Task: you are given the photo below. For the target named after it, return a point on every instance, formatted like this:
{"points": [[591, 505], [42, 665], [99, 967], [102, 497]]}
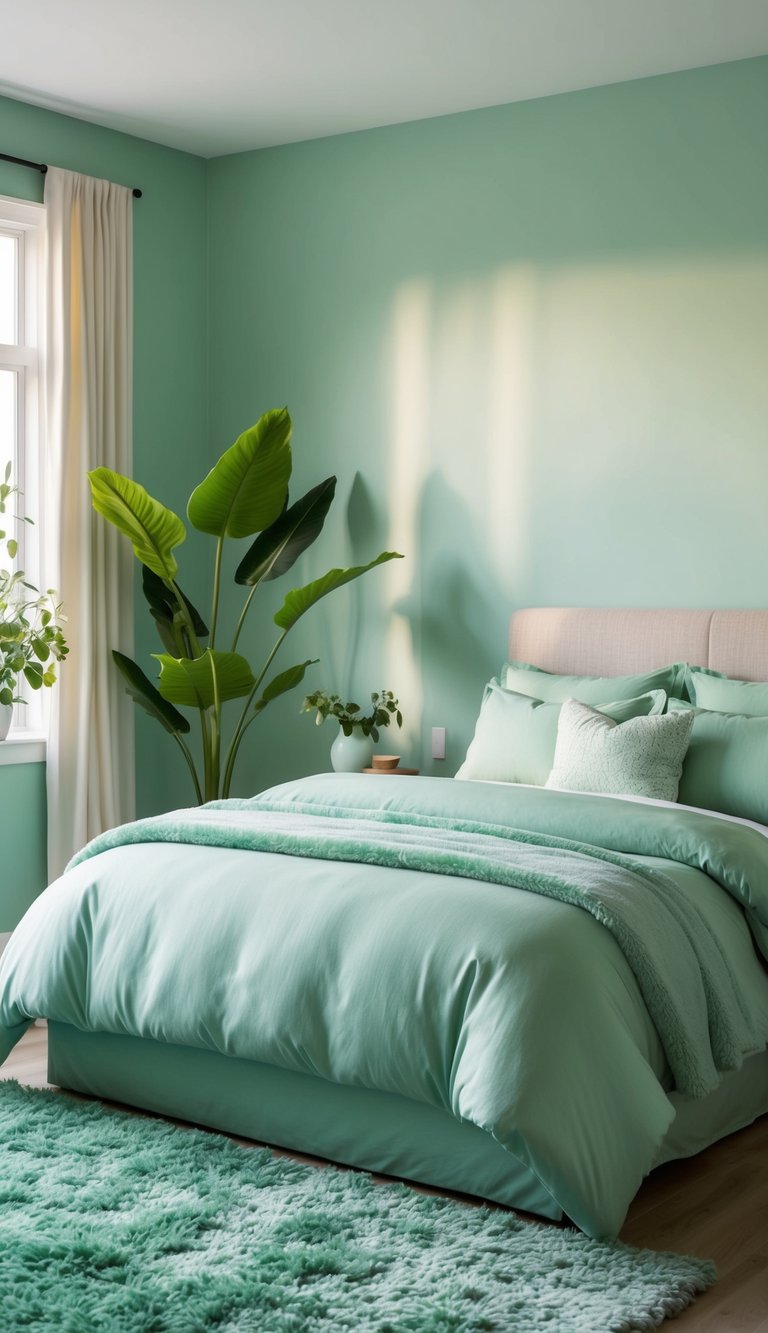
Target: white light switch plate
{"points": [[438, 742]]}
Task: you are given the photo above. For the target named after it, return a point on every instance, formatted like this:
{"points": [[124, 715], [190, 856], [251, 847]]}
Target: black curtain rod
{"points": [[41, 167]]}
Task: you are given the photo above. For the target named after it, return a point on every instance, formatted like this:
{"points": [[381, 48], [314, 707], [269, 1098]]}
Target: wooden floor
{"points": [[714, 1205]]}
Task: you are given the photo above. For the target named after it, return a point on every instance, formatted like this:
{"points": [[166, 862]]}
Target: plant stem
{"points": [[215, 735], [243, 614], [242, 724], [193, 639], [190, 766], [206, 739], [216, 588], [205, 731]]}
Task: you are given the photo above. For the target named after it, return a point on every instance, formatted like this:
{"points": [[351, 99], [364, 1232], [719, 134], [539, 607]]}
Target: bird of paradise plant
{"points": [[244, 494]]}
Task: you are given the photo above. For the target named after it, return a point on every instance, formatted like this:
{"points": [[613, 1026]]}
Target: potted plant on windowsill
{"points": [[352, 749], [31, 637]]}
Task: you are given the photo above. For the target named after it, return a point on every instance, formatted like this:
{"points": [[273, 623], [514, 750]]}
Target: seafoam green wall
{"points": [[533, 342], [169, 403], [22, 801]]}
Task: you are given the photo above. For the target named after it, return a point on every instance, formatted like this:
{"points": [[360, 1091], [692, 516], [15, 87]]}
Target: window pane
{"points": [[8, 288], [8, 392], [8, 380]]}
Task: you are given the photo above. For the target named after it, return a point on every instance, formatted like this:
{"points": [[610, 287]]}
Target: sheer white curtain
{"points": [[87, 395]]}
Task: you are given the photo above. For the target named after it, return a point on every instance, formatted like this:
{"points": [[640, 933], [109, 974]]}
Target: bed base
{"points": [[375, 1131]]}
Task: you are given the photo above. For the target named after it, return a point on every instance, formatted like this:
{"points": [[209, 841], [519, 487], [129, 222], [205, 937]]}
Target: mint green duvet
{"points": [[544, 965]]}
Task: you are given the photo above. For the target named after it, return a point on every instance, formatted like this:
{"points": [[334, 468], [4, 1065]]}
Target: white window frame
{"points": [[26, 222]]}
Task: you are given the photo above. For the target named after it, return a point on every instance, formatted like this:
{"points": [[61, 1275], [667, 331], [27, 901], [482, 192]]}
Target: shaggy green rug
{"points": [[116, 1222]]}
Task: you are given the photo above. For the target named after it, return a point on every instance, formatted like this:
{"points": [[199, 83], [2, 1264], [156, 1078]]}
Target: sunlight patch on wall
{"points": [[510, 411], [406, 468], [652, 447]]}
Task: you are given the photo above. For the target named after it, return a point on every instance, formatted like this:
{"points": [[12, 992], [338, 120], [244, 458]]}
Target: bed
{"points": [[395, 1005]]}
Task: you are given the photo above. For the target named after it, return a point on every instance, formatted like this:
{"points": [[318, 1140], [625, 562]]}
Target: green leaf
{"points": [[152, 529], [300, 600], [12, 547], [245, 491], [165, 611], [276, 549], [286, 680], [189, 681], [147, 696], [34, 676]]}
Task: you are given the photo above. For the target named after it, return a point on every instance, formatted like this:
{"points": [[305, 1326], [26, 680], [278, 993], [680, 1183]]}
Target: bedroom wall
{"points": [[169, 405], [532, 342]]}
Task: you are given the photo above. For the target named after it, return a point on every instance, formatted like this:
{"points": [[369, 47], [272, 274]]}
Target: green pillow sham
{"points": [[726, 767], [515, 735], [640, 757], [554, 689], [721, 694]]}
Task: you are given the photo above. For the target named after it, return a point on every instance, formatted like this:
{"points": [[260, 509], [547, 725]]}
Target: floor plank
{"points": [[714, 1205]]}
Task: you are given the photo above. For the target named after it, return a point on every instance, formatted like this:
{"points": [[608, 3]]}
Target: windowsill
{"points": [[22, 747]]}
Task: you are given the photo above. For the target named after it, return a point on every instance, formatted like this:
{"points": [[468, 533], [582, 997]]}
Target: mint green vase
{"points": [[351, 754]]}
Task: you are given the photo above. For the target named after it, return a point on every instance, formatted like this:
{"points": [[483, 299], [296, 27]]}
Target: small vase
{"points": [[6, 713], [351, 754]]}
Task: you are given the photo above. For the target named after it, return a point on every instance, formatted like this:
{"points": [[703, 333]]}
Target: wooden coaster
{"points": [[393, 772]]}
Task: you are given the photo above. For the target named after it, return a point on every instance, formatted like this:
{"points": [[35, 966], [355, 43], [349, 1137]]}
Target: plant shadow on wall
{"points": [[244, 495], [366, 527], [457, 610]]}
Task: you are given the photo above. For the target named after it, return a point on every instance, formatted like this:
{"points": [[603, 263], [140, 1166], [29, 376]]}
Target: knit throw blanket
{"points": [[689, 988]]}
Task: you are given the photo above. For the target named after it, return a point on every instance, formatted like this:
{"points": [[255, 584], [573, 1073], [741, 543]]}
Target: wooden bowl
{"points": [[385, 762]]}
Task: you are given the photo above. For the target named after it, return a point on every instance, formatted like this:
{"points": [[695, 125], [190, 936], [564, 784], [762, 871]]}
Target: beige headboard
{"points": [[600, 642]]}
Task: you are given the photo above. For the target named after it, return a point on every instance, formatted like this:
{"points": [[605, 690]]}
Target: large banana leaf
{"points": [[300, 600], [245, 491], [144, 693], [189, 681], [285, 681], [276, 549], [152, 529], [164, 610]]}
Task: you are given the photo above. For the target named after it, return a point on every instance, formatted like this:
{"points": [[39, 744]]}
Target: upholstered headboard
{"points": [[602, 642]]}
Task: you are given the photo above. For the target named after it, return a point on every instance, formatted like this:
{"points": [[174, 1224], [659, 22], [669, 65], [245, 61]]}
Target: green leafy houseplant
{"points": [[31, 637], [244, 494], [385, 709]]}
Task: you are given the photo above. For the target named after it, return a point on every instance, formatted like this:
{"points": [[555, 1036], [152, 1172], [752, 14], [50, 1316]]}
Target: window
{"points": [[20, 244]]}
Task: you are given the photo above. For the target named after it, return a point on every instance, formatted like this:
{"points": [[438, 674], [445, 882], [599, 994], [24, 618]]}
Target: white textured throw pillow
{"points": [[641, 757]]}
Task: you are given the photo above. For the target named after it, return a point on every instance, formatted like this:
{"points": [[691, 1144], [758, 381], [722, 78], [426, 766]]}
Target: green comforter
{"points": [[431, 943]]}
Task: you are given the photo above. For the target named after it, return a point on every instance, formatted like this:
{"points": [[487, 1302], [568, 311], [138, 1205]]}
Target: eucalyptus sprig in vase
{"points": [[352, 749]]}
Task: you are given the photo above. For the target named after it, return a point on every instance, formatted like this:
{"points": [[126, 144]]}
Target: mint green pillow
{"points": [[554, 689], [726, 767], [640, 757], [720, 694], [515, 735]]}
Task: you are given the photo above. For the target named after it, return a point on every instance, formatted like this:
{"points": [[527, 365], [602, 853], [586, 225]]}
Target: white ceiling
{"points": [[220, 76]]}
